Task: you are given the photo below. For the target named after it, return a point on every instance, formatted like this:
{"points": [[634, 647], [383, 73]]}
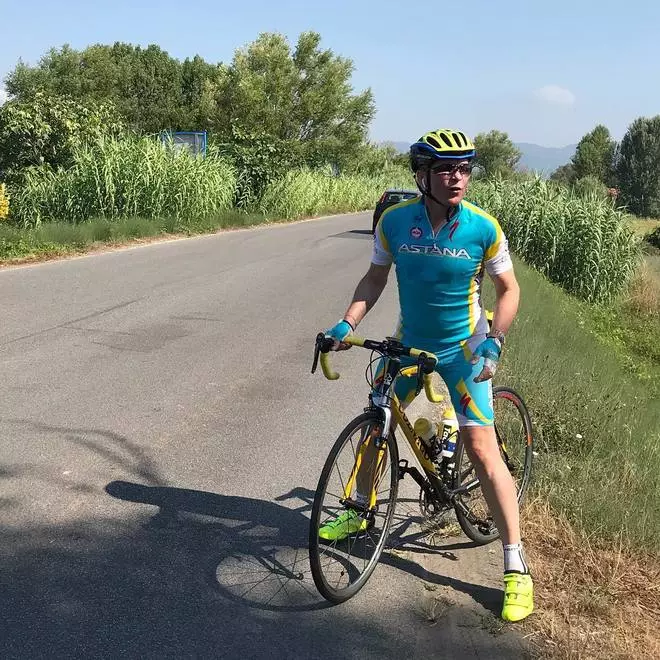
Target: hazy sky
{"points": [[545, 73]]}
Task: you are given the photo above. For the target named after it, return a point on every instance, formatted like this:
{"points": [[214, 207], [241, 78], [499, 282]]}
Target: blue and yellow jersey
{"points": [[439, 274]]}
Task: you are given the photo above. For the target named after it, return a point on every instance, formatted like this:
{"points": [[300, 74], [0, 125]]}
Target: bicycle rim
{"points": [[513, 429], [341, 567]]}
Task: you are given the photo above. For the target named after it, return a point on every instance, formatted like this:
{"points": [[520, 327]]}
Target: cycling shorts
{"points": [[472, 402]]}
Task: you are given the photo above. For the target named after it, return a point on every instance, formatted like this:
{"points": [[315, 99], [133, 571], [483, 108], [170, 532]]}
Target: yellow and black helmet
{"points": [[443, 143]]}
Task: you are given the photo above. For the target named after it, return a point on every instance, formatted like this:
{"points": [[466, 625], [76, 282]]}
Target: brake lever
{"points": [[317, 349], [420, 373]]}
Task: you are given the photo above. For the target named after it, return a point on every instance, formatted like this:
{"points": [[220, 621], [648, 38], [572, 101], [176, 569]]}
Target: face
{"points": [[449, 180]]}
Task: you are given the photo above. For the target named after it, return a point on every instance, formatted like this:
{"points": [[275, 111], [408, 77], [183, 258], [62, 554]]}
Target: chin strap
{"points": [[426, 192]]}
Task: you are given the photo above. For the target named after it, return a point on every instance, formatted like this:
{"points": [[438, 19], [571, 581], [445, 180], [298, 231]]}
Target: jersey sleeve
{"points": [[382, 254], [497, 259]]}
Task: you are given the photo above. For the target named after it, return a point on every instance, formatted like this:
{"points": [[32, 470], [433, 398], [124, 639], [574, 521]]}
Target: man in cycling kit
{"points": [[441, 246]]}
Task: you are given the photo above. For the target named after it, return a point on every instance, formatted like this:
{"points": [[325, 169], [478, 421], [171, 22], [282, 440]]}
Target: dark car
{"points": [[389, 198]]}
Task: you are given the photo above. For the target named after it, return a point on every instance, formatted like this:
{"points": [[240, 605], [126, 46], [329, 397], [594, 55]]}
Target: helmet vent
{"points": [[446, 140]]}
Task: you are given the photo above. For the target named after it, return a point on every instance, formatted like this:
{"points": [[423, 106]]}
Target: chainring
{"points": [[431, 509]]}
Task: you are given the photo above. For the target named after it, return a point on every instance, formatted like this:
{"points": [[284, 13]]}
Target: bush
{"points": [[653, 238], [258, 159]]}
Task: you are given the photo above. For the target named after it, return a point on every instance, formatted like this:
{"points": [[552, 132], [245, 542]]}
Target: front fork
{"points": [[376, 438]]}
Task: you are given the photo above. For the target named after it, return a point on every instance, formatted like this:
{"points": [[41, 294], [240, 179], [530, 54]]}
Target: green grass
{"points": [[59, 238], [597, 424]]}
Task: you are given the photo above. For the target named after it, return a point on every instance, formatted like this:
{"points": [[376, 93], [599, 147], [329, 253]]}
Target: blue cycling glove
{"points": [[339, 332], [490, 350]]}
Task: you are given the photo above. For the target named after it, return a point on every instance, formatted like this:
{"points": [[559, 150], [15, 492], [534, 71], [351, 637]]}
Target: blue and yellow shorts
{"points": [[472, 402]]}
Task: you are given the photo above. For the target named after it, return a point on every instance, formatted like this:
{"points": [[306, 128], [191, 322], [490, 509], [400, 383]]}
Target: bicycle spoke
{"points": [[342, 566], [343, 486]]}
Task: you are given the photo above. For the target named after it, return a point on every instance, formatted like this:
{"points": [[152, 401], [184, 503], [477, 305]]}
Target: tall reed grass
{"points": [[303, 193], [125, 178], [578, 241]]}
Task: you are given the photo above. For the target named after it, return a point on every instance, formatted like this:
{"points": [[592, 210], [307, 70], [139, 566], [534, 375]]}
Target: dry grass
{"points": [[644, 293], [643, 226], [593, 600]]}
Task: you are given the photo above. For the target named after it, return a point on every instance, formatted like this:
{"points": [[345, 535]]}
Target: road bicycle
{"points": [[368, 443]]}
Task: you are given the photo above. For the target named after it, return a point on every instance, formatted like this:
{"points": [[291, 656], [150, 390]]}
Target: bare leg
{"points": [[496, 482]]}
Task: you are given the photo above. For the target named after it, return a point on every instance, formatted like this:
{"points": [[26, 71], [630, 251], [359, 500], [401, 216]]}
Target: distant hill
{"points": [[401, 147], [544, 159], [534, 157]]}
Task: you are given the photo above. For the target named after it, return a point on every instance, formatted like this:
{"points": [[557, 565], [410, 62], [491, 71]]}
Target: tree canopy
{"points": [[300, 94]]}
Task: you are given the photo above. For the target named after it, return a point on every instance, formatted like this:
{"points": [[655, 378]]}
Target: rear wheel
{"points": [[341, 567], [513, 429]]}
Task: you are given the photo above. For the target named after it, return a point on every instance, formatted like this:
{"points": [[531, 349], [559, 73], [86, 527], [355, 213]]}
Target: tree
{"points": [[638, 166], [201, 84], [45, 129], [373, 159], [144, 84], [594, 156], [564, 174], [304, 96], [496, 153]]}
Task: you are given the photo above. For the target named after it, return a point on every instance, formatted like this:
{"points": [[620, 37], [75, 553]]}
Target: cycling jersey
{"points": [[439, 277], [439, 274]]}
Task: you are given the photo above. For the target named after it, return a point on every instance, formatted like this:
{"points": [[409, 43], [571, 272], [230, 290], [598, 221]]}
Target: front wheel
{"points": [[513, 430], [347, 533]]}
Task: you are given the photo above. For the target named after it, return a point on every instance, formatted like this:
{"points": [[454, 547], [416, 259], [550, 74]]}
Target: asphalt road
{"points": [[161, 436]]}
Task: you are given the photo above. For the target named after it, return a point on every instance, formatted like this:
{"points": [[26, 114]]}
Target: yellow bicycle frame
{"points": [[399, 418]]}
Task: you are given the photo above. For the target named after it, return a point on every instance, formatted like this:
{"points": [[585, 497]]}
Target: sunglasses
{"points": [[448, 169]]}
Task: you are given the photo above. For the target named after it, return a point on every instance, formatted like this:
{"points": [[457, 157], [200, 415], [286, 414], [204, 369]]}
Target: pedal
{"points": [[348, 503], [403, 468]]}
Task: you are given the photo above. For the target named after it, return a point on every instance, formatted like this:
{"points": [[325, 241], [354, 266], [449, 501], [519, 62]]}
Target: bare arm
{"points": [[507, 297], [367, 293]]}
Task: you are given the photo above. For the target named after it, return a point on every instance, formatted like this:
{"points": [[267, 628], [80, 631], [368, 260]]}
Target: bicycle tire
{"points": [[325, 589], [470, 529]]}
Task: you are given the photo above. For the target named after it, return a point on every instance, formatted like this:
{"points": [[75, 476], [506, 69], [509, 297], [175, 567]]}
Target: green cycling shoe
{"points": [[518, 596], [347, 523]]}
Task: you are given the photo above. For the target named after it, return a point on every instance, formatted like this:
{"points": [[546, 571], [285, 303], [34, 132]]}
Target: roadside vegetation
{"points": [[591, 524], [84, 164]]}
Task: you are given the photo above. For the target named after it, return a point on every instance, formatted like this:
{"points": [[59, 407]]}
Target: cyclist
{"points": [[441, 246]]}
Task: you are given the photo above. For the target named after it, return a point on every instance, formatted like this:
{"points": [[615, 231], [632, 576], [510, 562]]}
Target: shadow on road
{"points": [[205, 575], [355, 233], [268, 565]]}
